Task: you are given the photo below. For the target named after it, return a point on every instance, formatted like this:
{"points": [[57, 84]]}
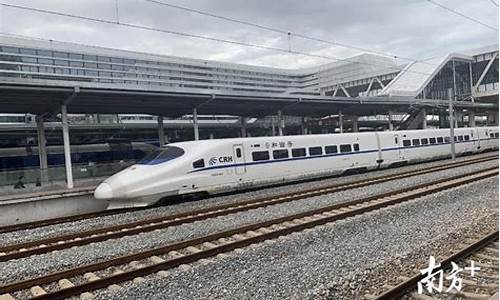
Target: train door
{"points": [[239, 159], [398, 145], [475, 140]]}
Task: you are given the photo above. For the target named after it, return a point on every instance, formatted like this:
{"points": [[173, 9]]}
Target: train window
{"points": [[455, 138], [356, 147], [260, 155], [496, 134], [460, 138], [331, 149], [466, 137], [345, 148], [492, 135], [238, 152], [406, 143], [432, 140], [396, 140], [298, 152], [440, 140], [162, 155], [282, 153], [315, 151], [446, 139], [415, 142], [200, 163], [424, 141]]}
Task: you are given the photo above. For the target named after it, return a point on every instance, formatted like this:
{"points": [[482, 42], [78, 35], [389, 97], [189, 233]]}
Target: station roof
{"points": [[415, 76], [26, 92], [46, 96]]}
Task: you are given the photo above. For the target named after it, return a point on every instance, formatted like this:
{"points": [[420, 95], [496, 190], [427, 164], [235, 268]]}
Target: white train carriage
{"points": [[214, 166]]}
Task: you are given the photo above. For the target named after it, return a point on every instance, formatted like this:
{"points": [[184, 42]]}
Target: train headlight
{"points": [[103, 191]]}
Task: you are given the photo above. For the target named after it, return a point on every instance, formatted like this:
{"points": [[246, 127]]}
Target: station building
{"points": [[363, 75]]}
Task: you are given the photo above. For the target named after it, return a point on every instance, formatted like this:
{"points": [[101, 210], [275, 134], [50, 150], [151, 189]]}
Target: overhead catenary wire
{"points": [[288, 33], [494, 2], [462, 15], [155, 29]]}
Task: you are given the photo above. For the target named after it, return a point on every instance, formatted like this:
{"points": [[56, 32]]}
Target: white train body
{"points": [[215, 166]]}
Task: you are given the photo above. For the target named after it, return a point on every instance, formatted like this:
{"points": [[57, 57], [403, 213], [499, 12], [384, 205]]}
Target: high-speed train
{"points": [[214, 166]]}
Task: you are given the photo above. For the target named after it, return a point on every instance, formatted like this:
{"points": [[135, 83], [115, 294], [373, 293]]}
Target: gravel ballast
{"points": [[99, 222], [332, 261], [37, 265]]}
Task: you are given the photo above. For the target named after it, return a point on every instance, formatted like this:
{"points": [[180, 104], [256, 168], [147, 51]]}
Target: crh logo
{"points": [[220, 160], [212, 161]]}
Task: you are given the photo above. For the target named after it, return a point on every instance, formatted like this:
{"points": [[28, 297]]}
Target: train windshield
{"points": [[162, 155]]}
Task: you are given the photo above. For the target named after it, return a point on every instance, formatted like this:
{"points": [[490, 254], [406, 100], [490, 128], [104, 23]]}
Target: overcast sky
{"points": [[411, 28]]}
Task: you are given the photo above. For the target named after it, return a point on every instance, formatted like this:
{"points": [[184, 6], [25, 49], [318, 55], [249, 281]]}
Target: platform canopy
{"points": [[43, 97]]}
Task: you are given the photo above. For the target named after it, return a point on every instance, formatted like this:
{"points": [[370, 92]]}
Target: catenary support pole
{"points": [[424, 118], [450, 108], [390, 118], [452, 129], [161, 131], [303, 128], [472, 118], [195, 124], [42, 148], [67, 149], [243, 127], [355, 127], [471, 82], [341, 122], [273, 127], [281, 123]]}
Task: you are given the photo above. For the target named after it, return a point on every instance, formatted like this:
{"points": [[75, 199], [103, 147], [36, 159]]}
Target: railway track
{"points": [[109, 273], [67, 219], [41, 246], [60, 220], [483, 285]]}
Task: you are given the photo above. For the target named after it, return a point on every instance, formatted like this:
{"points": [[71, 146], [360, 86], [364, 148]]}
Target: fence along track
{"points": [[21, 250], [174, 255]]}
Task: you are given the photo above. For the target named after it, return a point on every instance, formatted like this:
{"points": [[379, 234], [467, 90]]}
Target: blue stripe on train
{"points": [[328, 155]]}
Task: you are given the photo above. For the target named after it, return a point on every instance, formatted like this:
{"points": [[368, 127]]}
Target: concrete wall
{"points": [[42, 208]]}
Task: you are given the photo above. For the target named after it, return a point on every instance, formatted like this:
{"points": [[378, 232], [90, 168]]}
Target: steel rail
{"points": [[59, 220], [83, 238], [73, 218], [257, 232], [401, 288]]}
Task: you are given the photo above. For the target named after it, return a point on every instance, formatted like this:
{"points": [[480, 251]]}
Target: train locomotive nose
{"points": [[103, 192]]}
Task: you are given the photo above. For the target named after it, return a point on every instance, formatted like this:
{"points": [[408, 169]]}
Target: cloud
{"points": [[412, 28]]}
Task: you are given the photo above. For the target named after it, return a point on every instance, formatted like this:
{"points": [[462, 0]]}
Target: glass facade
{"points": [[441, 86], [101, 66], [34, 63], [490, 80]]}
